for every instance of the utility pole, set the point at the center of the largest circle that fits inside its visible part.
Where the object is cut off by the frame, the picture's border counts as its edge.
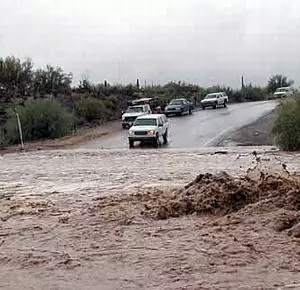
(242, 82)
(138, 84)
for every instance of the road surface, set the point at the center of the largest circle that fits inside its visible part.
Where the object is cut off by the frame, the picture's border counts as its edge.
(202, 129)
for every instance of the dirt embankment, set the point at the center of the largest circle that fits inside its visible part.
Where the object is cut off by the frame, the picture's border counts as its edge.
(216, 232)
(82, 136)
(254, 134)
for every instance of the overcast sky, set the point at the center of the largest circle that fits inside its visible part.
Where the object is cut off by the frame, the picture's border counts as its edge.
(200, 41)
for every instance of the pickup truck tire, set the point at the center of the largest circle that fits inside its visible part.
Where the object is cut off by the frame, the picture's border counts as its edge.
(165, 137)
(203, 107)
(190, 111)
(225, 104)
(131, 144)
(156, 142)
(215, 106)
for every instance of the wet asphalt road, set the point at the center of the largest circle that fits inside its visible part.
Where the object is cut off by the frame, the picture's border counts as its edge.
(202, 129)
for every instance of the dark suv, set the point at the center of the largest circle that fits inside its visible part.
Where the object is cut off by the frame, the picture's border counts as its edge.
(179, 107)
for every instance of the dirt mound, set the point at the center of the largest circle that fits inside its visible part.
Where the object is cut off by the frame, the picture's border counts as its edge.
(223, 194)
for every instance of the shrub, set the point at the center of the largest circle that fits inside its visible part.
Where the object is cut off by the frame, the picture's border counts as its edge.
(40, 118)
(2, 137)
(286, 127)
(92, 109)
(253, 93)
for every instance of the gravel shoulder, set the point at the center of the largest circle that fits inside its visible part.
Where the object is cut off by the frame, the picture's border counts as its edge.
(254, 134)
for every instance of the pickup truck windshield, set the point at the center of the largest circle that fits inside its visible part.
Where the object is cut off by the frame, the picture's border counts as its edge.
(145, 122)
(282, 90)
(176, 102)
(134, 110)
(210, 96)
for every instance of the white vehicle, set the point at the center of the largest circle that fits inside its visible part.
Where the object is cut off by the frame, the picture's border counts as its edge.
(283, 92)
(214, 100)
(132, 113)
(149, 128)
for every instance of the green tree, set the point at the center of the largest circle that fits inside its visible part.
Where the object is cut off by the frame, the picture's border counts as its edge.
(52, 81)
(16, 76)
(278, 81)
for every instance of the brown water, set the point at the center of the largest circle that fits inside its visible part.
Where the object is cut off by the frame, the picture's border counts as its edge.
(69, 221)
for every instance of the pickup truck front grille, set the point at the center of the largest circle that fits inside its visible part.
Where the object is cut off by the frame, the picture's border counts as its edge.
(140, 133)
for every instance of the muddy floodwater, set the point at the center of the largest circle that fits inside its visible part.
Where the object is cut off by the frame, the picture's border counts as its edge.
(90, 219)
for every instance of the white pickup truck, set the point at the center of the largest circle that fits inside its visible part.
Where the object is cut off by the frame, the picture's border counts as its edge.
(132, 113)
(149, 128)
(214, 100)
(283, 92)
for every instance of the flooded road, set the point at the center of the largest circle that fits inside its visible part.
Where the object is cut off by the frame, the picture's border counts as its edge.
(71, 219)
(202, 129)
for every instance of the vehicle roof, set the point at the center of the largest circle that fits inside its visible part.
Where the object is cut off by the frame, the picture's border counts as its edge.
(142, 101)
(153, 116)
(179, 99)
(142, 105)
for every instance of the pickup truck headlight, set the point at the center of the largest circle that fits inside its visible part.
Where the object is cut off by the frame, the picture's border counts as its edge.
(131, 132)
(151, 133)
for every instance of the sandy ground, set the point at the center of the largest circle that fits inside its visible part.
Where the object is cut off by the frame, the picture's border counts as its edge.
(254, 134)
(82, 136)
(75, 220)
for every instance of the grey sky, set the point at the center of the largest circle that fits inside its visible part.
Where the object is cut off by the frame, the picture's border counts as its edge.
(199, 41)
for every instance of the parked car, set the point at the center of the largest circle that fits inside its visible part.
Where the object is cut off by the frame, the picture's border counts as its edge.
(214, 100)
(283, 92)
(179, 107)
(132, 113)
(149, 128)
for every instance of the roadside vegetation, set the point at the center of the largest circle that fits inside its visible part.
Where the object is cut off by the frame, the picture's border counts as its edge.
(286, 127)
(49, 107)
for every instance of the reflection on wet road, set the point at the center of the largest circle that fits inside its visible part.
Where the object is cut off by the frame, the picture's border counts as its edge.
(202, 129)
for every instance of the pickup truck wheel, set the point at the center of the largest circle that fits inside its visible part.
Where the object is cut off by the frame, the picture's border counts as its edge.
(203, 107)
(131, 144)
(156, 142)
(165, 137)
(225, 104)
(190, 111)
(215, 106)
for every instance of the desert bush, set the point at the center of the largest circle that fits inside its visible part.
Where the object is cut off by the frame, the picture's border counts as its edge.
(92, 109)
(286, 126)
(2, 137)
(253, 93)
(40, 118)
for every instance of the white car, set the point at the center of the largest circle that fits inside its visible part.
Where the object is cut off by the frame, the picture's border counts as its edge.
(132, 113)
(214, 100)
(149, 128)
(283, 92)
